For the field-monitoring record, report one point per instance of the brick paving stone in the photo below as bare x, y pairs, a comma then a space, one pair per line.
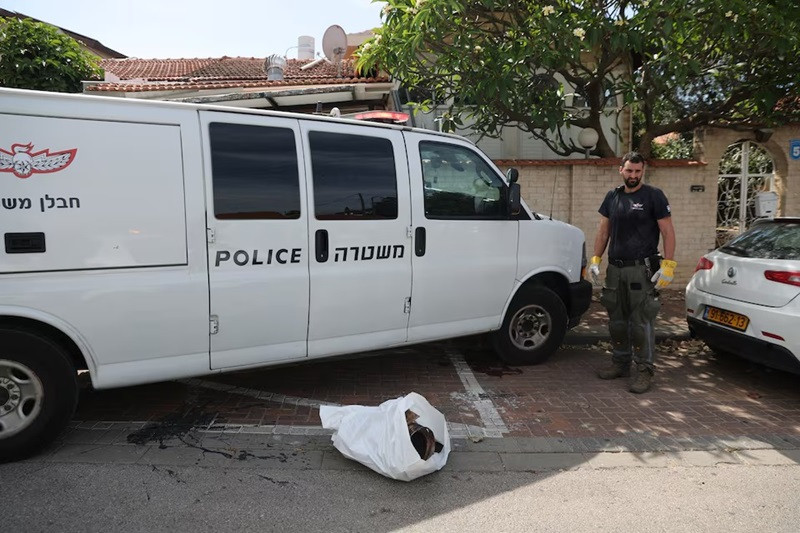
699, 401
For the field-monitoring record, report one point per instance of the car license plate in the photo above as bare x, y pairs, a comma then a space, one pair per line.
726, 318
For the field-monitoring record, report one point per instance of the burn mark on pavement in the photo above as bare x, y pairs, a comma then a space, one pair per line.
494, 368
171, 426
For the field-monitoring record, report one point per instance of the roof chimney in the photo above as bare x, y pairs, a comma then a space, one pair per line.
274, 66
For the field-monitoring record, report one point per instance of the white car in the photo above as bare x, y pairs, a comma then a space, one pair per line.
743, 297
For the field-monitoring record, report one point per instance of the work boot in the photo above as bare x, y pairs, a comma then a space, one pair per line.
642, 380
615, 370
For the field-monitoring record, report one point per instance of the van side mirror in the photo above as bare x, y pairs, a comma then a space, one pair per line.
512, 174
514, 201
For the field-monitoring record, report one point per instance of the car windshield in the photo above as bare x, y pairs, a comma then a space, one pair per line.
767, 240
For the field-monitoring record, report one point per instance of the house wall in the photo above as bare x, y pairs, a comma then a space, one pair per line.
573, 190
513, 143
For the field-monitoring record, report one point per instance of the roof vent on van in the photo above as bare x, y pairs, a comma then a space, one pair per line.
274, 66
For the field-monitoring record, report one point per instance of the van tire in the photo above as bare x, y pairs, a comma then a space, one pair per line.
533, 328
38, 391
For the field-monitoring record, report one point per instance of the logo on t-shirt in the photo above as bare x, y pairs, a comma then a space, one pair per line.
637, 207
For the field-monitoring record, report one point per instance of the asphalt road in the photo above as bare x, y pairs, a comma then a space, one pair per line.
714, 447
121, 497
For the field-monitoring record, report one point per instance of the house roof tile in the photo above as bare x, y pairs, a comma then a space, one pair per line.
153, 69
137, 75
789, 105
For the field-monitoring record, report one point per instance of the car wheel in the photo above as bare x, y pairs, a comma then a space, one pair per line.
38, 392
533, 328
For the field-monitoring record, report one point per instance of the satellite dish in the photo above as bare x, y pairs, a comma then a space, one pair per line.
334, 45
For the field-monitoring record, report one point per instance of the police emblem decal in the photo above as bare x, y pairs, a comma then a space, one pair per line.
22, 161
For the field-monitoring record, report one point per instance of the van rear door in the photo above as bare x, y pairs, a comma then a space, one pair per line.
77, 194
258, 238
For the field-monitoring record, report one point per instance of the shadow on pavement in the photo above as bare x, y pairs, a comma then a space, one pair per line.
215, 441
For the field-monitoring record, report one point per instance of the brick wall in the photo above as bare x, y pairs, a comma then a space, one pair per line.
573, 190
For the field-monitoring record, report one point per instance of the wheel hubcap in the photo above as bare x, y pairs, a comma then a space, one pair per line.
21, 396
530, 327
5, 393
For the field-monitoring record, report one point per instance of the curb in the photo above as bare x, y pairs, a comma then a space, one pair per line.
512, 454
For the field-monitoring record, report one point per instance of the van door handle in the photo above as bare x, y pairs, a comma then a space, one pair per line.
321, 245
419, 241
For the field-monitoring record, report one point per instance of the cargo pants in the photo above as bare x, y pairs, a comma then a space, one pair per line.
632, 304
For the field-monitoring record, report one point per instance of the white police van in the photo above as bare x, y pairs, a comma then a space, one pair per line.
149, 241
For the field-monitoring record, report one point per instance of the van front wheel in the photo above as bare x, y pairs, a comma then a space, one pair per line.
38, 392
533, 328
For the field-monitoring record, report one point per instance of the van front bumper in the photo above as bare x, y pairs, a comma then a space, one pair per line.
580, 296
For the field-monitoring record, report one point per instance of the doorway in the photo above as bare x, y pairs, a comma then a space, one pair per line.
745, 169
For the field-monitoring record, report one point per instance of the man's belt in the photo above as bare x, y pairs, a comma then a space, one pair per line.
652, 261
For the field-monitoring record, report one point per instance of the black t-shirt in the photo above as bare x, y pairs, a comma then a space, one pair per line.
633, 220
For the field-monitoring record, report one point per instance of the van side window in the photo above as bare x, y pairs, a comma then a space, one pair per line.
459, 184
354, 177
254, 171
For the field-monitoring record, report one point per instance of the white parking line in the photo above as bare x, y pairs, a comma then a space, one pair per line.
493, 424
491, 419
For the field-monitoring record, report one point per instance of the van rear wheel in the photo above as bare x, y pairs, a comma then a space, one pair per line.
533, 328
38, 392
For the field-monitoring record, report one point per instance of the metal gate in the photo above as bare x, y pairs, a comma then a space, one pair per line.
745, 169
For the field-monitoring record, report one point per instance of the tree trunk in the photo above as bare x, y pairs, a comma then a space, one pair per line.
645, 144
603, 149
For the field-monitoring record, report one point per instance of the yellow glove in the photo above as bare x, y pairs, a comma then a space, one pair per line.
664, 276
594, 269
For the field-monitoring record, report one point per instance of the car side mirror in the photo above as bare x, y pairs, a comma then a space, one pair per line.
514, 198
512, 174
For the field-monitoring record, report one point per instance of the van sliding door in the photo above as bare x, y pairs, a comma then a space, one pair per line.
359, 229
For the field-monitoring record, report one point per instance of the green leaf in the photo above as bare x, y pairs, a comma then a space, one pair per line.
37, 56
664, 57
